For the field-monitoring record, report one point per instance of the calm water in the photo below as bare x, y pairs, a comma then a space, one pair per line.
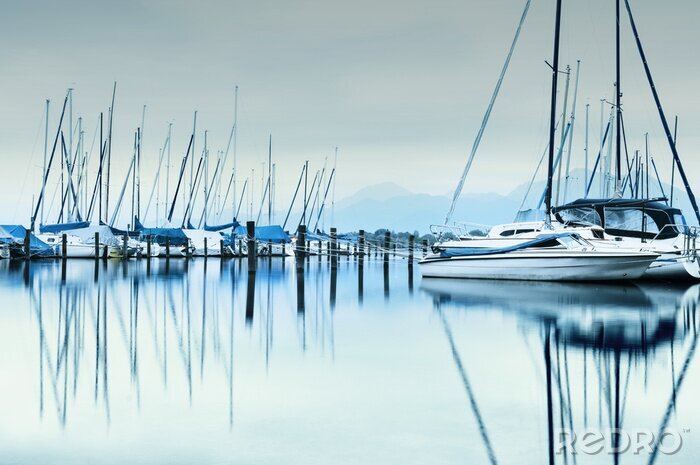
208, 364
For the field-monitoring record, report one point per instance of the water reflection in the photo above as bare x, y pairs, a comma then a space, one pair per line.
598, 340
301, 360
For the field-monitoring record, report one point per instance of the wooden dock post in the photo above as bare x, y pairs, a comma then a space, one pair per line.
425, 247
188, 249
148, 247
64, 246
361, 244
206, 248
167, 248
27, 244
387, 246
411, 239
97, 246
125, 245
252, 251
300, 250
334, 248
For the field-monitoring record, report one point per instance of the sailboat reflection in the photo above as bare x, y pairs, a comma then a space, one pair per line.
142, 330
599, 344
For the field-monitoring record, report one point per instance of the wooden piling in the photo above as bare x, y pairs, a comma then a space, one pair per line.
411, 239
97, 246
148, 247
300, 250
125, 246
64, 246
167, 248
425, 247
387, 246
334, 248
221, 248
206, 248
27, 244
252, 251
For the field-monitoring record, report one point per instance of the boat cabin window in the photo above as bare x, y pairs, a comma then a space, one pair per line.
512, 232
631, 222
583, 215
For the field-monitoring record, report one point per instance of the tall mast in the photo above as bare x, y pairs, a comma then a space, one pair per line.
552, 114
70, 140
335, 169
46, 147
618, 95
194, 132
564, 131
109, 151
585, 150
235, 140
571, 133
167, 169
269, 181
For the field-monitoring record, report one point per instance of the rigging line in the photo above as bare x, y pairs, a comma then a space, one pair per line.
662, 116
484, 122
534, 175
556, 162
155, 182
325, 196
658, 179
597, 160
48, 168
676, 388
472, 399
296, 191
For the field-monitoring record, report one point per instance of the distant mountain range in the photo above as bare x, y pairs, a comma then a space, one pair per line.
388, 205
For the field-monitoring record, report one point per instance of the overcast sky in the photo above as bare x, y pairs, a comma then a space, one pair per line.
399, 86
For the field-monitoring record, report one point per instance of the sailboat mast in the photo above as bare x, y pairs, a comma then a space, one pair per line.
235, 140
618, 96
552, 114
46, 148
585, 149
269, 181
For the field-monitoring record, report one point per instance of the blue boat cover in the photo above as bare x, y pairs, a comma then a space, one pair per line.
55, 228
273, 233
475, 251
221, 227
16, 232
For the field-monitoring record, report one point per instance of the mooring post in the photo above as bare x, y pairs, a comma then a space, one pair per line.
64, 246
250, 229
125, 244
361, 243
97, 246
221, 248
334, 247
206, 249
387, 246
411, 238
188, 249
148, 247
300, 251
27, 244
167, 248
105, 253
425, 247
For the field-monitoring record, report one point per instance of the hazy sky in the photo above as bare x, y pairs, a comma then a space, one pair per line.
399, 87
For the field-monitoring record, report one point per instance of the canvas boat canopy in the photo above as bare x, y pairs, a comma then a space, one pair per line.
639, 218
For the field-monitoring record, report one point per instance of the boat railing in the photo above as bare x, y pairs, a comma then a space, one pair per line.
458, 230
690, 237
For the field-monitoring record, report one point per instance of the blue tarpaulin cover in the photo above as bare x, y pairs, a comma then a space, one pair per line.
16, 232
221, 227
273, 233
60, 227
474, 251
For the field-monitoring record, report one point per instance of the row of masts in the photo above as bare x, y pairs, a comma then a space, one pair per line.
207, 188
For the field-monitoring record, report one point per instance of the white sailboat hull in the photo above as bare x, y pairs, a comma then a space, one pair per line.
541, 266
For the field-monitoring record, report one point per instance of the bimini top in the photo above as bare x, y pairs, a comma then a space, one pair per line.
640, 218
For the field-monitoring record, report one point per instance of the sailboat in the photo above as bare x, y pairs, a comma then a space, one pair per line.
547, 257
